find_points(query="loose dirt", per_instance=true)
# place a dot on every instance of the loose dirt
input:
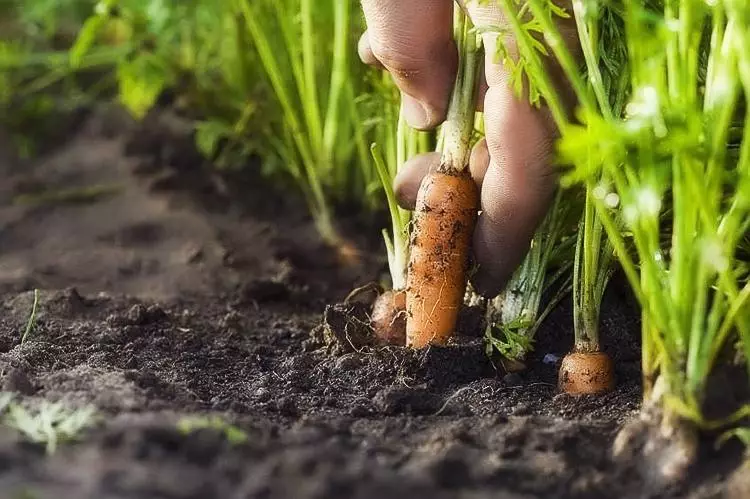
(170, 291)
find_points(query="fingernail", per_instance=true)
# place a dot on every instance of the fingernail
(416, 114)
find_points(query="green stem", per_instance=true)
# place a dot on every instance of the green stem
(459, 125)
(32, 318)
(271, 64)
(310, 71)
(536, 69)
(623, 255)
(398, 246)
(338, 73)
(591, 273)
(739, 305)
(564, 57)
(589, 47)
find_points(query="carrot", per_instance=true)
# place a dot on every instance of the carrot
(388, 317)
(586, 373)
(444, 222)
(446, 212)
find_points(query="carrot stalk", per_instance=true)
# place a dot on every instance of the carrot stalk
(446, 211)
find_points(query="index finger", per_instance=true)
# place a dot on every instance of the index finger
(413, 40)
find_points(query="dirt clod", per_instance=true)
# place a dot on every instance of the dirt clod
(346, 327)
(398, 400)
(19, 381)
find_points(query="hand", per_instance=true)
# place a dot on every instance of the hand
(413, 40)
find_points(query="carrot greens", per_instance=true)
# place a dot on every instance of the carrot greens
(668, 161)
(307, 61)
(263, 78)
(408, 143)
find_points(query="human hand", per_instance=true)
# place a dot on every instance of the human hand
(413, 40)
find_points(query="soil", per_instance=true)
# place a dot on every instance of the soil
(169, 291)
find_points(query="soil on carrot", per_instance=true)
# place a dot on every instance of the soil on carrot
(170, 293)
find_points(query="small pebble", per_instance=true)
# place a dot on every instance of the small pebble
(138, 315)
(551, 358)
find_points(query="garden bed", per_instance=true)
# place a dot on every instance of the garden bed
(170, 291)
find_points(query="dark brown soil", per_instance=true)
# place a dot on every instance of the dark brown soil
(180, 292)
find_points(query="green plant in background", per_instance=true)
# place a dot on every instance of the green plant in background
(605, 56)
(48, 423)
(34, 68)
(307, 60)
(668, 158)
(199, 51)
(272, 79)
(232, 433)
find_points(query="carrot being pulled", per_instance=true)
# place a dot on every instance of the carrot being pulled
(446, 212)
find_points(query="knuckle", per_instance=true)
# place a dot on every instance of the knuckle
(399, 57)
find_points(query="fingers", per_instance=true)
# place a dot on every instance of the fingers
(479, 161)
(365, 51)
(409, 178)
(413, 41)
(516, 190)
(490, 15)
(517, 182)
(512, 166)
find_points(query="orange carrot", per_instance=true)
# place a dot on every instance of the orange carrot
(444, 222)
(446, 211)
(388, 317)
(586, 373)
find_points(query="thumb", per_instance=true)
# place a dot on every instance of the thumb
(409, 178)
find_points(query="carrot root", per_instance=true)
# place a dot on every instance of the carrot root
(586, 373)
(444, 221)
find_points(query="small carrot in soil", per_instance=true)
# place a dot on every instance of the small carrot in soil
(586, 373)
(388, 317)
(445, 214)
(588, 370)
(388, 312)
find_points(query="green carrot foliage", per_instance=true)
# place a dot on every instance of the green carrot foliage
(676, 162)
